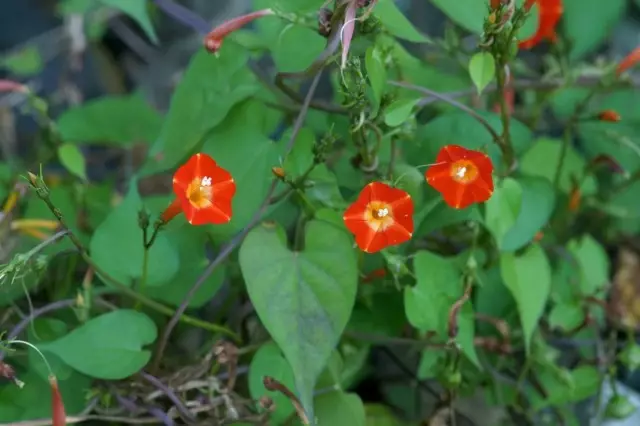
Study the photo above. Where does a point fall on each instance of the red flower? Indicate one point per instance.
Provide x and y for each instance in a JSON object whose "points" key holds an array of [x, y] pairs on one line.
{"points": [[382, 216], [609, 115], [462, 176], [629, 61], [549, 14], [203, 192], [213, 40], [58, 415]]}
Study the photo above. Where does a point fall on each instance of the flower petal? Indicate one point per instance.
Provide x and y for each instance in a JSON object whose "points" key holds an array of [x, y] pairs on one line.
{"points": [[211, 214], [457, 194]]}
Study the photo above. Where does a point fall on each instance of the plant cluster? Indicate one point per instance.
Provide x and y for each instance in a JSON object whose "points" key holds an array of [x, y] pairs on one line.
{"points": [[406, 215]]}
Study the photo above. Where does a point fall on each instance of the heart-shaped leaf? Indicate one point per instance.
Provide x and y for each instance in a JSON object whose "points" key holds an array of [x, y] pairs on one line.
{"points": [[109, 346], [303, 298], [118, 250]]}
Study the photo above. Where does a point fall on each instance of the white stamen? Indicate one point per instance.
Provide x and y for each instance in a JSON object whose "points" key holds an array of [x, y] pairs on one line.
{"points": [[383, 212], [461, 172], [206, 181]]}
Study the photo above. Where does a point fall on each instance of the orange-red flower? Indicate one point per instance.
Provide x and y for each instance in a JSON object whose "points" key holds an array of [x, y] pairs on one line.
{"points": [[382, 216], [203, 191], [629, 61], [609, 115], [549, 14], [463, 176]]}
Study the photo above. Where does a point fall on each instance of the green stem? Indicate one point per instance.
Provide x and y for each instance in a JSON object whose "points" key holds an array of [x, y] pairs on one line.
{"points": [[566, 141], [43, 193], [143, 278], [568, 133], [505, 138]]}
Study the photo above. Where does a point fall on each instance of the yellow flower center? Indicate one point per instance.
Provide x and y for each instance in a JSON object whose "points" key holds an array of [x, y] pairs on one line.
{"points": [[464, 171], [378, 215], [200, 193]]}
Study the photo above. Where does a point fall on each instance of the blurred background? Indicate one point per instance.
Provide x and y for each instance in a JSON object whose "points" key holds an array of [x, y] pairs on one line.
{"points": [[69, 57]]}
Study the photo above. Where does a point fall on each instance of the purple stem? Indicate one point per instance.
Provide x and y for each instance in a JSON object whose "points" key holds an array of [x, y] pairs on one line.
{"points": [[130, 405], [161, 415], [184, 411], [184, 15], [60, 304]]}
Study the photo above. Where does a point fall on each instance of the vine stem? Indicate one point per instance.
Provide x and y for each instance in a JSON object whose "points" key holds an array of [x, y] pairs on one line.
{"points": [[462, 107], [505, 138], [43, 193], [568, 133]]}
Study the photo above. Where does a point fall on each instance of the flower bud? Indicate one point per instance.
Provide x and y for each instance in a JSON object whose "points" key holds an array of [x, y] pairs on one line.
{"points": [[609, 115]]}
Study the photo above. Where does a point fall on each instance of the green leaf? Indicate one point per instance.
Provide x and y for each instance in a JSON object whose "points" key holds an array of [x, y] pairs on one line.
{"points": [[617, 140], [593, 261], [339, 409], [630, 356], [113, 120], [409, 179], [27, 403], [435, 215], [323, 188], [396, 23], [73, 160], [63, 198], [136, 9], [528, 278], [538, 203], [211, 86], [303, 298], [330, 376], [469, 14], [268, 361], [381, 415], [482, 69], [376, 72], [439, 285], [503, 208], [298, 6], [566, 316], [25, 62], [117, 248], [430, 360], [588, 23], [189, 242], [109, 346], [68, 7], [619, 407], [399, 111], [300, 158], [296, 48], [543, 159]]}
